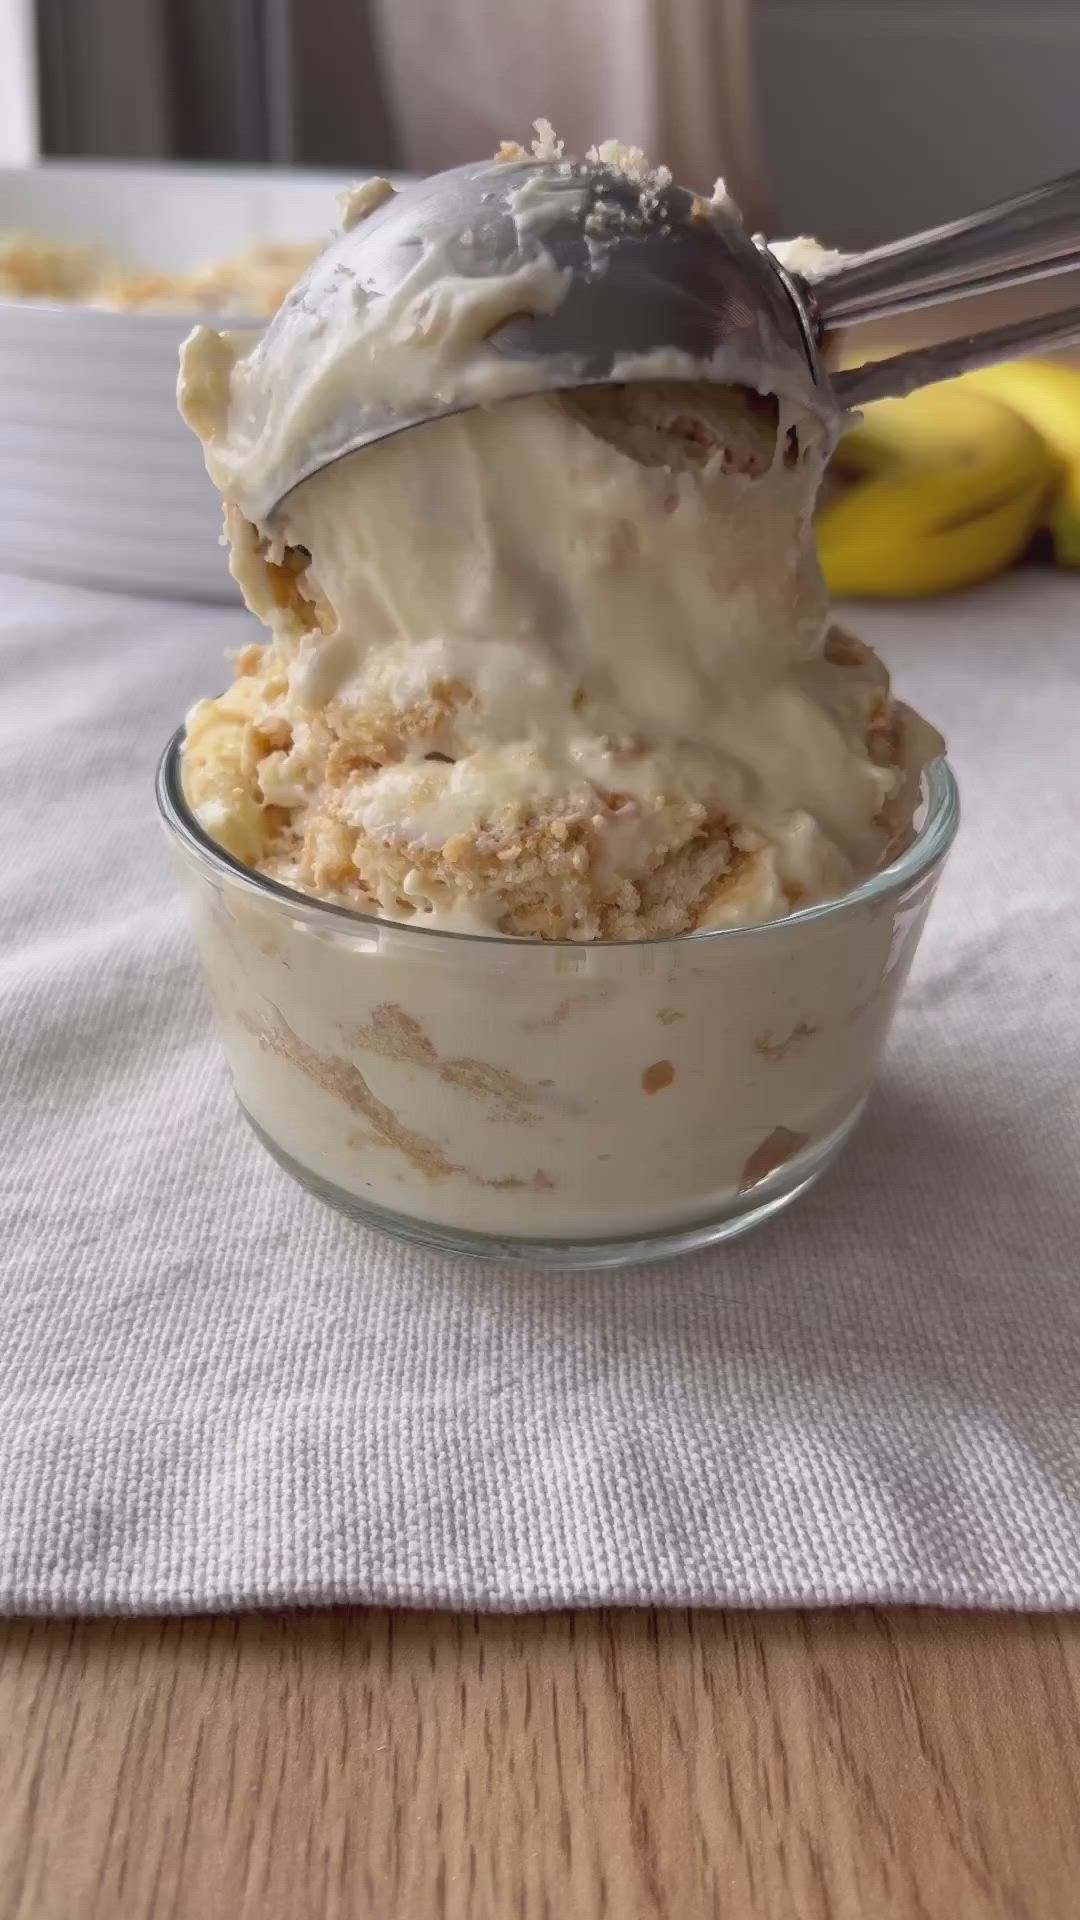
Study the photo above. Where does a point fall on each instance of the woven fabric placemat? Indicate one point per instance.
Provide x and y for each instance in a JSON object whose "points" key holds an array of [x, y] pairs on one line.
{"points": [[215, 1393]]}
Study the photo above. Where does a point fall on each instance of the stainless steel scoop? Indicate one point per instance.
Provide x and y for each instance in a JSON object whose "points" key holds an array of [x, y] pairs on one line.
{"points": [[665, 273]]}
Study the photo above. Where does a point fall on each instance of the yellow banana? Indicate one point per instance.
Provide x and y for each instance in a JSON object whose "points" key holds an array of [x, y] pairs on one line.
{"points": [[947, 488], [1047, 394]]}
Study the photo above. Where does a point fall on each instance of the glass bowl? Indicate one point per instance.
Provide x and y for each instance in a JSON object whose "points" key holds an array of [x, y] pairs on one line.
{"points": [[560, 1104]]}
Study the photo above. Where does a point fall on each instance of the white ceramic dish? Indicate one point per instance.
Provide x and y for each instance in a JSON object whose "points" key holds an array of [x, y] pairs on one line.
{"points": [[100, 481]]}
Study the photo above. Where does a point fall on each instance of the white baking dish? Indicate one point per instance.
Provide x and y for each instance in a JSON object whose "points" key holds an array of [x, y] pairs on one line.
{"points": [[100, 481]]}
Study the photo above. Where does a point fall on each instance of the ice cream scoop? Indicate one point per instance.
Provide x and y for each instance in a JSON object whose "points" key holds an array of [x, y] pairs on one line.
{"points": [[572, 273]]}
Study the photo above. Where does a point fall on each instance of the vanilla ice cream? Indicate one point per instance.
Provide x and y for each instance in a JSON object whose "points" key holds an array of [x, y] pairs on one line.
{"points": [[559, 668]]}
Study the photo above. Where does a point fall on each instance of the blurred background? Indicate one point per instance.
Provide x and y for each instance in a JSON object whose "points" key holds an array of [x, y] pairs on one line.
{"points": [[235, 122], [856, 119]]}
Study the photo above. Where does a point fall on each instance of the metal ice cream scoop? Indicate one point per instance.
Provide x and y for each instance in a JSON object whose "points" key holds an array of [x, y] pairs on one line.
{"points": [[659, 283]]}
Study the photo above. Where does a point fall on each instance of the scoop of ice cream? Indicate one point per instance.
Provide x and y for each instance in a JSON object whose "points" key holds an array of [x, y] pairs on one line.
{"points": [[526, 274], [558, 669], [561, 667]]}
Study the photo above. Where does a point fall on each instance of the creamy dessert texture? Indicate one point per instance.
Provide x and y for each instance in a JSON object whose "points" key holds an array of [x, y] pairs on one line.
{"points": [[551, 1093], [560, 667]]}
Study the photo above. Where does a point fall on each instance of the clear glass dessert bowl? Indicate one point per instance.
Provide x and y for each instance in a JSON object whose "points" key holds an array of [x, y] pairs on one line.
{"points": [[566, 1105]]}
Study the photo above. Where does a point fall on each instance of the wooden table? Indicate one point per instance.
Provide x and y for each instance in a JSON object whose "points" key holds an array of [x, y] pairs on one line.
{"points": [[642, 1766]]}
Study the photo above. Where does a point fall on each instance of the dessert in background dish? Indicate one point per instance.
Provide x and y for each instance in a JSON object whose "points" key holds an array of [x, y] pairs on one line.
{"points": [[558, 670], [252, 284]]}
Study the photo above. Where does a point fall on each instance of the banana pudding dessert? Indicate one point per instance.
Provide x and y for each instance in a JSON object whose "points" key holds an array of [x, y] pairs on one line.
{"points": [[554, 855]]}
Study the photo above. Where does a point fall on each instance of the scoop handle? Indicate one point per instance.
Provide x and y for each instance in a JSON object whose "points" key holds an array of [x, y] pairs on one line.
{"points": [[1029, 237], [921, 367]]}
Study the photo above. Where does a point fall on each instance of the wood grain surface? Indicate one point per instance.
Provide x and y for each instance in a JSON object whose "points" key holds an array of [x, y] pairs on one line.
{"points": [[667, 1766]]}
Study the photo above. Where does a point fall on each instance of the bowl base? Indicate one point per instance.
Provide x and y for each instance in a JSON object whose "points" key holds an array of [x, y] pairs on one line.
{"points": [[574, 1256]]}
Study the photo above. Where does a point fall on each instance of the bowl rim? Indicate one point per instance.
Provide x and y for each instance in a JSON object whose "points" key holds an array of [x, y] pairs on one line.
{"points": [[163, 320], [926, 852]]}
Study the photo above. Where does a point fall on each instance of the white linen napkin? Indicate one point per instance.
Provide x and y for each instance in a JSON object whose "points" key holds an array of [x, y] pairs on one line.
{"points": [[216, 1393]]}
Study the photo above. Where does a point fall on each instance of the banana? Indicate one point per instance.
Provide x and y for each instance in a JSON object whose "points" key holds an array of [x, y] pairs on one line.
{"points": [[947, 488], [1047, 394]]}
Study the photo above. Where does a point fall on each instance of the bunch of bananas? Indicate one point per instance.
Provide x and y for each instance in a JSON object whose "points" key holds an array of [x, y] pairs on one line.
{"points": [[947, 487]]}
